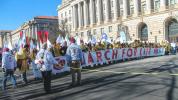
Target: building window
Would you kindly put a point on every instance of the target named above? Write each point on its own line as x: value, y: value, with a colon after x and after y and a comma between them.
x: 69, y: 12
x: 89, y: 33
x: 110, y: 28
x: 112, y: 3
x: 143, y: 8
x: 82, y: 34
x: 157, y: 5
x: 121, y: 13
x: 102, y: 30
x: 131, y: 10
x: 65, y: 14
x: 62, y: 16
x: 172, y: 2
x: 94, y: 32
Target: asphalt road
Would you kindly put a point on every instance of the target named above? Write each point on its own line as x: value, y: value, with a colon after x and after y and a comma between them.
x: 110, y: 85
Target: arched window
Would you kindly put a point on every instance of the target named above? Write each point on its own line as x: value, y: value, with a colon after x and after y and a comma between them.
x: 144, y: 33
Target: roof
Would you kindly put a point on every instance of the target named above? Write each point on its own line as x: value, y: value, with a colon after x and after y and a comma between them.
x: 47, y: 17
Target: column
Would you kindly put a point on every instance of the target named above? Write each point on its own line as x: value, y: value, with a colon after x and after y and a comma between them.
x: 79, y: 15
x: 91, y: 13
x: 148, y: 6
x: 85, y: 13
x: 107, y: 11
x: 75, y: 17
x: 135, y: 8
x: 162, y: 5
x: 99, y: 11
x: 116, y: 10
x: 125, y: 9
x: 36, y: 30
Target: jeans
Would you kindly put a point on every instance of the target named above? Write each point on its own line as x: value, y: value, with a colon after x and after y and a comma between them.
x: 47, y: 80
x: 36, y: 71
x: 8, y: 72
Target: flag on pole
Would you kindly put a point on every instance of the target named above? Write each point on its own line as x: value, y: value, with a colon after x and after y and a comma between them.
x: 104, y: 37
x: 10, y: 46
x: 37, y: 46
x: 93, y: 40
x: 49, y: 45
x: 67, y: 40
x: 59, y: 39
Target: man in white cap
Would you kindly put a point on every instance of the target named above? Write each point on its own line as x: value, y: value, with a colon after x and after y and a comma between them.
x: 74, y: 54
x: 45, y: 61
x: 9, y: 66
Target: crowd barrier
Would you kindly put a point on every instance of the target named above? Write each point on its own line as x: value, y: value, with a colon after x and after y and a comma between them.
x: 108, y: 55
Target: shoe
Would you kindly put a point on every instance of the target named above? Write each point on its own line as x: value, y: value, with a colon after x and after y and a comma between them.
x: 72, y: 85
x: 79, y: 83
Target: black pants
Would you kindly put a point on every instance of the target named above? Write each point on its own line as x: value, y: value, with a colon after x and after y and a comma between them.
x: 47, y: 80
x: 24, y: 77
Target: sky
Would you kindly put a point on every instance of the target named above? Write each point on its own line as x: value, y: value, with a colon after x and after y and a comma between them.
x: 13, y: 13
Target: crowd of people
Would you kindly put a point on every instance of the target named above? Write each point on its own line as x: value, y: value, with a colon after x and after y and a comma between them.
x: 43, y: 60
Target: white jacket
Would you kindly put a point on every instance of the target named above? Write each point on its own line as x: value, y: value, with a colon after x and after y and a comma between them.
x: 47, y: 58
x: 8, y: 61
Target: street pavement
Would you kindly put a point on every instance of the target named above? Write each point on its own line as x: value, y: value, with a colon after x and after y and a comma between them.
x: 107, y: 84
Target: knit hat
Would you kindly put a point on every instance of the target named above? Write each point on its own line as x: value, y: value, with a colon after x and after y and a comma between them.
x: 72, y: 40
x: 6, y: 50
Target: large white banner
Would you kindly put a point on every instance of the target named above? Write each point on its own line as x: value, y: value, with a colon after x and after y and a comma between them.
x: 104, y: 56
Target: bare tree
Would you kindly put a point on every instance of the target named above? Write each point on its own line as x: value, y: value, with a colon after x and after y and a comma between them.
x: 64, y: 27
x: 57, y: 29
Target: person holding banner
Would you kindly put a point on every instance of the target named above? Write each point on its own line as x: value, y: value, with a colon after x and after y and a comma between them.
x: 36, y: 71
x: 74, y: 54
x: 45, y: 62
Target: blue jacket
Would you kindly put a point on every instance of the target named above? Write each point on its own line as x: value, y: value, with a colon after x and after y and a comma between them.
x: 8, y: 61
x: 74, y: 52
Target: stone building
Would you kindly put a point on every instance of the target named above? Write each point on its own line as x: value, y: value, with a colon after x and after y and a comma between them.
x: 5, y: 37
x: 146, y: 20
x: 36, y: 25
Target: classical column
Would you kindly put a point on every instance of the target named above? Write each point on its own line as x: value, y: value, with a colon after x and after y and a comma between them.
x: 135, y: 8
x: 75, y: 17
x: 162, y: 5
x: 79, y: 15
x: 85, y: 13
x: 91, y: 12
x: 36, y: 30
x: 107, y: 10
x: 116, y: 10
x: 148, y: 6
x: 99, y: 11
x: 125, y: 8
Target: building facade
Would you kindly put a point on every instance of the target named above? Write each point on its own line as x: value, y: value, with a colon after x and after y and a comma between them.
x: 35, y: 28
x: 146, y: 20
x: 5, y: 37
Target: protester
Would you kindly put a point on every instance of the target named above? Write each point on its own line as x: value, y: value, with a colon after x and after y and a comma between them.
x: 36, y: 71
x: 63, y: 48
x: 56, y: 49
x: 45, y: 61
x: 74, y: 53
x: 9, y: 66
x: 23, y: 61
